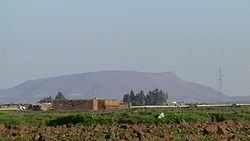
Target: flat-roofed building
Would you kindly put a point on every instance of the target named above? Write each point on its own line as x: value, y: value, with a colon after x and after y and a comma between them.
x: 88, y: 104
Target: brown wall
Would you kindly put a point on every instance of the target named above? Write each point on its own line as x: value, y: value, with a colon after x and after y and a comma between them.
x: 73, y: 105
x: 112, y: 103
x: 88, y: 105
x: 95, y: 104
x: 101, y: 104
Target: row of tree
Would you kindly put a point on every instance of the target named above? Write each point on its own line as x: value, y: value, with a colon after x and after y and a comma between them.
x: 49, y: 99
x: 155, y: 97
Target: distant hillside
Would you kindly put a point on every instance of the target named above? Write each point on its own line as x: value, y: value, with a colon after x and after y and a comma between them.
x: 110, y: 84
x: 241, y: 99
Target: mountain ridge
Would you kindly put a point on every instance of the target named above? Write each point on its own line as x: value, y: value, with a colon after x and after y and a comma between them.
x: 110, y: 84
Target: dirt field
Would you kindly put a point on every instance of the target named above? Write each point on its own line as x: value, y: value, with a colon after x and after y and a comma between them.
x: 188, y: 124
x: 227, y: 130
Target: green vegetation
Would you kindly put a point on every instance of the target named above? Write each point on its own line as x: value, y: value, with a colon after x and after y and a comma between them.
x: 49, y: 99
x: 144, y: 124
x: 46, y: 100
x: 155, y: 97
x: 132, y: 116
x: 60, y: 96
x: 84, y: 118
x: 2, y: 138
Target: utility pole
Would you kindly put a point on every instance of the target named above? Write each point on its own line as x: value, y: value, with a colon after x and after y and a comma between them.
x: 219, y: 79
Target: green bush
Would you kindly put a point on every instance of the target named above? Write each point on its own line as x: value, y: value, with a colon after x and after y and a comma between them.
x: 129, y: 116
x: 2, y: 138
x: 178, y: 117
x: 71, y: 119
x: 86, y: 119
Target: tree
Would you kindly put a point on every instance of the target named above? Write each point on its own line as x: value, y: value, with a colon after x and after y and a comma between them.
x: 150, y: 98
x: 166, y: 97
x: 140, y: 98
x: 46, y: 100
x: 59, y: 96
x: 155, y: 97
x: 126, y: 98
x: 160, y: 98
x: 132, y: 97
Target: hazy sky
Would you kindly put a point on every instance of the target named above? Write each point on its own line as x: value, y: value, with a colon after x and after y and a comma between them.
x: 193, y: 38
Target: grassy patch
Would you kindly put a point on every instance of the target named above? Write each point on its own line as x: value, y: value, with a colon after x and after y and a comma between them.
x: 126, y: 118
x: 130, y: 116
x: 2, y: 138
x: 84, y: 118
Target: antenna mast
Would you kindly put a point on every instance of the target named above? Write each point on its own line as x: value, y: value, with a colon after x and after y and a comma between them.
x: 220, y: 76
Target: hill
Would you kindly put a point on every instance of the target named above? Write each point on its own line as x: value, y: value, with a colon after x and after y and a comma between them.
x: 110, y: 84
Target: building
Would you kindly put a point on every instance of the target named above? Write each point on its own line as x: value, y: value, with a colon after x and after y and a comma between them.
x: 9, y: 107
x: 40, y: 107
x: 88, y: 105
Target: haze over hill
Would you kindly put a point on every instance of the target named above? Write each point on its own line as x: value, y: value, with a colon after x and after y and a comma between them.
x: 111, y: 84
x: 192, y: 38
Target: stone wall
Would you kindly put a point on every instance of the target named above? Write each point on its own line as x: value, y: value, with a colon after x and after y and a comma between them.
x: 101, y: 104
x: 111, y: 103
x: 88, y: 105
x: 8, y: 107
x: 74, y: 105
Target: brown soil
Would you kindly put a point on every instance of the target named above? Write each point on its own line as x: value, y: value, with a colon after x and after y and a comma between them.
x: 227, y: 130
